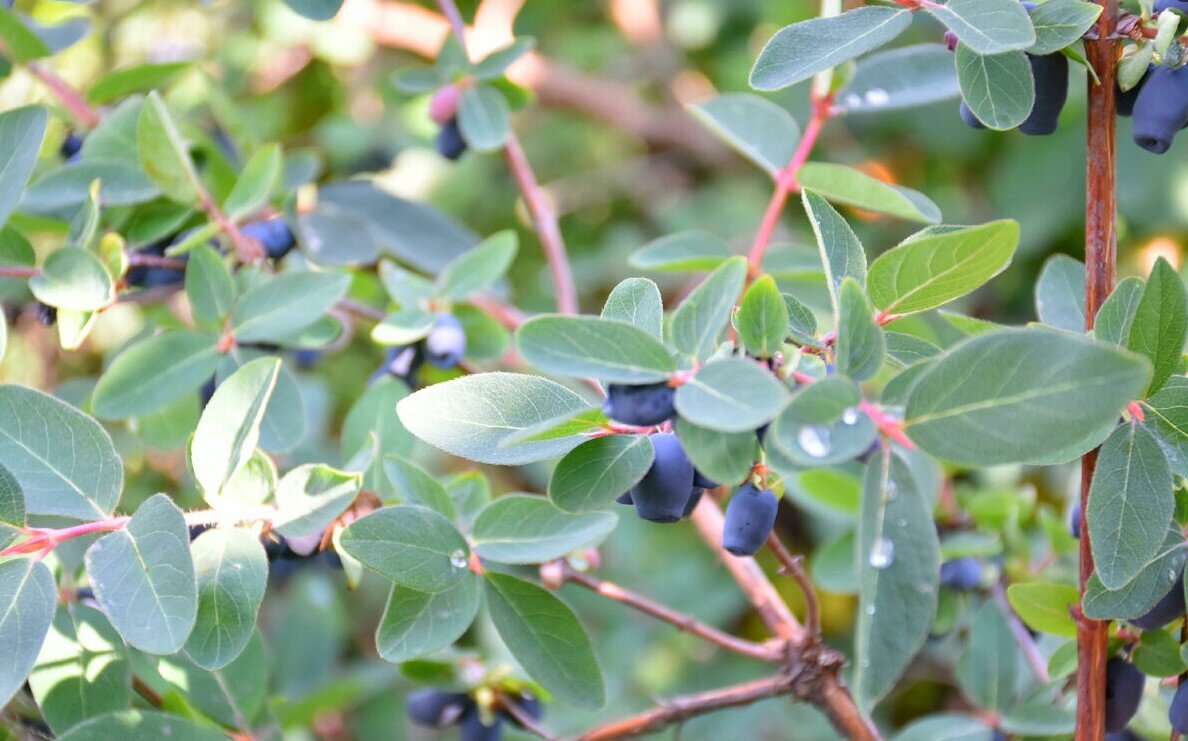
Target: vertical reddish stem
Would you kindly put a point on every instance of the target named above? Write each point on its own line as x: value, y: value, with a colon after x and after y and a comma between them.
x: 1100, y: 257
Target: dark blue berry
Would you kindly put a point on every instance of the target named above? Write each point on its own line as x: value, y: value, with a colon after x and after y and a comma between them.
x: 664, y: 491
x: 1177, y: 714
x: 1123, y: 693
x: 1161, y: 108
x: 529, y: 705
x: 437, y: 708
x: 645, y: 405
x: 306, y: 359
x: 969, y: 118
x: 71, y: 146
x: 1162, y: 5
x: 694, y: 500
x: 473, y: 729
x: 700, y: 481
x: 196, y: 530
x: 625, y: 498
x: 145, y: 276
x: 446, y: 343
x: 450, y: 143
x: 273, y: 235
x: 1050, y: 72
x: 961, y: 574
x: 45, y: 314
x: 402, y: 361
x: 206, y: 392
x: 750, y: 516
x: 1167, y: 609
x: 1074, y: 520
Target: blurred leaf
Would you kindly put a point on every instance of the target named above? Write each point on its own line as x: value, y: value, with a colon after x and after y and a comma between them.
x: 23, y: 44
x: 753, y: 126
x: 901, y: 78
x: 988, y: 668
x: 591, y: 476
x: 286, y: 304
x: 153, y: 372
x: 1158, y: 654
x: 81, y: 671
x: 62, y: 191
x: 494, y: 64
x: 690, y: 250
x: 986, y: 26
x: 310, y: 497
x: 860, y: 346
x: 479, y: 267
x: 523, y: 529
x: 412, y: 485
x: 12, y: 507
x: 1044, y: 606
x: 143, y: 577
x: 371, y: 414
x: 483, y: 117
x: 28, y: 597
x: 163, y: 154
x: 723, y: 457
x: 121, y: 82
x: 21, y: 133
x: 73, y: 278
x: 316, y: 10
x: 130, y: 724
x: 231, y: 570
x: 256, y: 184
x: 946, y: 727
x: 209, y: 287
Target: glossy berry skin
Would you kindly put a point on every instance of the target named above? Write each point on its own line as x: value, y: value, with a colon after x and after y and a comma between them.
x: 1124, y: 100
x: 969, y: 118
x: 645, y: 405
x: 701, y: 482
x: 1124, y: 692
x: 1074, y: 520
x: 436, y: 708
x: 1050, y: 72
x: 663, y: 492
x: 1161, y: 108
x: 206, y: 392
x: 961, y: 574
x: 750, y: 516
x: 273, y: 235
x: 71, y: 146
x: 694, y: 500
x: 45, y: 314
x: 1167, y: 609
x: 449, y: 141
x: 472, y: 728
x: 446, y: 343
x: 1177, y: 714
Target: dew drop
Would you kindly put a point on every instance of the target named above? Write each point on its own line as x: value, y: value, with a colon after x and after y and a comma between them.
x: 853, y: 100
x: 877, y: 96
x: 458, y: 559
x: 814, y: 441
x: 870, y: 609
x: 924, y: 588
x: 850, y: 416
x: 882, y: 553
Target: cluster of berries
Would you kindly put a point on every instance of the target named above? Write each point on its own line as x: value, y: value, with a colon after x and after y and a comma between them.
x: 673, y: 486
x: 439, y: 709
x: 444, y: 347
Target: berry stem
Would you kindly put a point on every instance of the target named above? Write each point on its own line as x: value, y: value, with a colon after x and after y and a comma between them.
x: 785, y: 180
x: 1100, y: 256
x: 662, y: 612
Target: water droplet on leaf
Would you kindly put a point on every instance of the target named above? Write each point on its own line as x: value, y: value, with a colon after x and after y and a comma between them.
x: 882, y: 553
x: 814, y: 441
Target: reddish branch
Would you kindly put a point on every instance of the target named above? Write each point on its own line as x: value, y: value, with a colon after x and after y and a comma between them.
x: 17, y: 271
x: 661, y: 612
x: 794, y: 566
x: 1100, y: 256
x: 70, y: 98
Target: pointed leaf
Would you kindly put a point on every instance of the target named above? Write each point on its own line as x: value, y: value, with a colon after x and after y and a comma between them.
x: 21, y: 133
x: 861, y: 345
x: 698, y: 321
x: 416, y: 624
x: 842, y: 184
x: 636, y: 301
x: 28, y: 597
x: 163, y: 154
x: 154, y: 372
x: 524, y: 529
x: 692, y: 249
x: 900, y: 78
x: 987, y: 26
x: 762, y: 318
x: 286, y: 304
x: 988, y: 668
x: 1160, y: 322
x: 731, y: 395
x: 229, y: 428
x: 999, y: 89
x: 474, y: 270
x: 311, y: 496
x: 753, y: 126
x: 1060, y: 293
x: 73, y: 278
x: 841, y: 253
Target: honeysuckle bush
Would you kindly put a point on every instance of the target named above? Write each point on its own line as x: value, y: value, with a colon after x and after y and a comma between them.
x: 457, y: 499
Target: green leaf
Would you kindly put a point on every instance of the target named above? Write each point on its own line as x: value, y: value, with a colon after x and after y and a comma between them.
x: 762, y: 318
x: 1158, y: 577
x: 416, y: 624
x: 898, y: 570
x: 231, y: 570
x: 825, y: 401
x: 522, y: 529
x: 120, y: 83
x: 413, y: 546
x: 229, y: 428
x: 371, y: 414
x: 900, y: 78
x: 1116, y: 315
x: 592, y: 475
x: 143, y: 577
x: 81, y: 671
x: 63, y: 191
x: 811, y: 445
x: 999, y: 89
x: 724, y: 457
x: 413, y: 485
x: 283, y: 425
x: 861, y: 345
x: 1060, y: 293
x: 163, y: 155
x: 697, y: 323
x: 1050, y: 388
x: 12, y: 507
x: 311, y: 496
x: 73, y: 278
x: 23, y: 44
x: 802, y: 323
x: 1160, y: 322
x: 64, y: 461
x: 799, y: 51
x: 483, y: 117
x: 731, y: 395
x: 1059, y: 23
x: 404, y: 326
x: 1158, y: 654
x: 543, y: 634
x: 605, y: 349
x: 756, y: 128
x: 947, y: 727
x: 692, y: 249
x: 1044, y: 606
x: 132, y: 724
x: 21, y: 133
x: 988, y: 668
x: 842, y: 184
x: 926, y: 272
x: 154, y: 372
x: 286, y: 304
x: 209, y: 287
x: 315, y: 10
x: 636, y: 301
x: 1167, y: 417
x: 841, y: 253
x: 28, y: 597
x: 987, y: 26
x: 255, y: 185
x: 493, y: 65
x: 474, y: 415
x: 1130, y: 504
x: 476, y: 269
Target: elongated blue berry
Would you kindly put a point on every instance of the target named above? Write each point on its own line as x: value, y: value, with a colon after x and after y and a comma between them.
x: 1161, y: 108
x: 1177, y: 713
x: 450, y: 143
x: 1170, y: 607
x: 1050, y: 72
x: 750, y: 516
x: 664, y: 491
x: 1123, y: 693
x: 961, y: 574
x: 967, y: 115
x: 437, y: 708
x: 646, y: 405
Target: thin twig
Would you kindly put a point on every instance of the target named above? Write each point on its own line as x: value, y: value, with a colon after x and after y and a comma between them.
x: 685, y: 622
x: 71, y: 99
x: 361, y: 310
x: 1031, y: 652
x: 247, y: 250
x: 155, y: 261
x: 16, y: 271
x: 794, y: 566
